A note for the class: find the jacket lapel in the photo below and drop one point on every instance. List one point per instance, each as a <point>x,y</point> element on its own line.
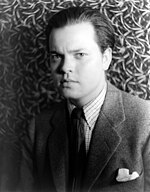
<point>105,138</point>
<point>58,149</point>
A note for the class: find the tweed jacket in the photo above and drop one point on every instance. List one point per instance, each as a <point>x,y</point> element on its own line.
<point>119,155</point>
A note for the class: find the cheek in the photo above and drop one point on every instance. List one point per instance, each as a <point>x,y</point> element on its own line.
<point>92,76</point>
<point>90,70</point>
<point>56,78</point>
<point>54,68</point>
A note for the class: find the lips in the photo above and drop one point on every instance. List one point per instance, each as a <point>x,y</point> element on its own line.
<point>67,82</point>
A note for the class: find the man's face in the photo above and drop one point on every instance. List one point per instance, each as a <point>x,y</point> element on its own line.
<point>77,64</point>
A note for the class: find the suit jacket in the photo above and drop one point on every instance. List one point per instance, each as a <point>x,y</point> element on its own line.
<point>121,139</point>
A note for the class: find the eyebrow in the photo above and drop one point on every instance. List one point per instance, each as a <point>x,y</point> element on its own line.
<point>70,51</point>
<point>77,50</point>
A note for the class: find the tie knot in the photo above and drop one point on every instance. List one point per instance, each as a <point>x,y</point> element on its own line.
<point>77,113</point>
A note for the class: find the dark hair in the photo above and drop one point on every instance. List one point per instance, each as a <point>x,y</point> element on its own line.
<point>74,15</point>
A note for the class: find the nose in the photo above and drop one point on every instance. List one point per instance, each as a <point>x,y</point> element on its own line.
<point>67,65</point>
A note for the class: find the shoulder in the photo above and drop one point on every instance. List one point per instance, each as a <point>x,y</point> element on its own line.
<point>40,124</point>
<point>133,105</point>
<point>136,111</point>
<point>47,113</point>
<point>136,106</point>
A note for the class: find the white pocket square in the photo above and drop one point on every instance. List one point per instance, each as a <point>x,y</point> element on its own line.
<point>123,175</point>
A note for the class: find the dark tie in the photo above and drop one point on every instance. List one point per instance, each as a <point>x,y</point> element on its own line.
<point>78,148</point>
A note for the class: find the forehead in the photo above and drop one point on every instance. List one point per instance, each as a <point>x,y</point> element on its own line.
<point>73,35</point>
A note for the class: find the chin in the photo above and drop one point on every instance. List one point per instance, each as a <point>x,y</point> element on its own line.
<point>69,95</point>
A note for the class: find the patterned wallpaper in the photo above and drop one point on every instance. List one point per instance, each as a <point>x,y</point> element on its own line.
<point>26,86</point>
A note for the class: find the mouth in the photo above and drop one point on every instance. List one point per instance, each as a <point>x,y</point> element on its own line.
<point>67,82</point>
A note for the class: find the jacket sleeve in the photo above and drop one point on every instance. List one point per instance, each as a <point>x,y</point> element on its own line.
<point>27,163</point>
<point>10,156</point>
<point>146,161</point>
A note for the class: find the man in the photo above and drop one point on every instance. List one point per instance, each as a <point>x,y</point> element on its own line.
<point>113,152</point>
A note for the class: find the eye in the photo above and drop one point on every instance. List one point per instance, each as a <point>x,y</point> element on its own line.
<point>80,55</point>
<point>55,57</point>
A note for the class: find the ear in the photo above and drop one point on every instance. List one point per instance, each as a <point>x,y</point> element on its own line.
<point>107,58</point>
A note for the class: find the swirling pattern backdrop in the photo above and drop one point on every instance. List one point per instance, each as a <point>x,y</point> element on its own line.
<point>26,85</point>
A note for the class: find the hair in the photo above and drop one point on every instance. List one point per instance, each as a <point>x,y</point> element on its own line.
<point>75,15</point>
